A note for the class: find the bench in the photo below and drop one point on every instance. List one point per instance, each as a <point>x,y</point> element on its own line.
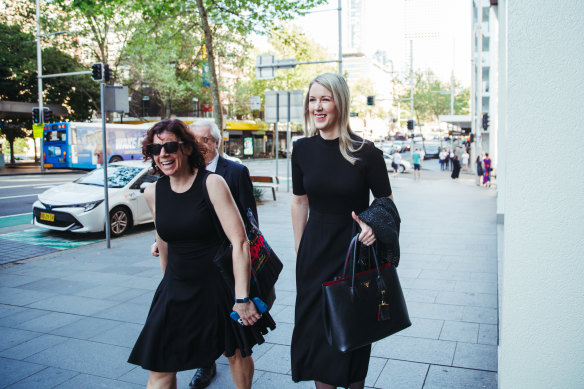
<point>266,182</point>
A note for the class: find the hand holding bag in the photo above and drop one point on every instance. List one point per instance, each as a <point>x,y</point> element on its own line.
<point>362,308</point>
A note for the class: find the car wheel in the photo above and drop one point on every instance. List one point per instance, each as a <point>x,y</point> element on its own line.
<point>119,221</point>
<point>402,168</point>
<point>116,158</point>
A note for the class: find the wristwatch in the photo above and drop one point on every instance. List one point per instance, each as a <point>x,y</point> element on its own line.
<point>243,300</point>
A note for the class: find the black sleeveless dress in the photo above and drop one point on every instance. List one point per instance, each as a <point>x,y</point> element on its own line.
<point>334,188</point>
<point>188,325</point>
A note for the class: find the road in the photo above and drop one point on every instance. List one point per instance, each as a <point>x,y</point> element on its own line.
<point>18,193</point>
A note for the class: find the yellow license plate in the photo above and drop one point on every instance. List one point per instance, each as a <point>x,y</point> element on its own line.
<point>47,216</point>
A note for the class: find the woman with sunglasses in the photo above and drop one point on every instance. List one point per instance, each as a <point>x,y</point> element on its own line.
<point>188,325</point>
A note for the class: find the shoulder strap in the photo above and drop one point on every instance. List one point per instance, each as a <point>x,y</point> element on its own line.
<point>214,216</point>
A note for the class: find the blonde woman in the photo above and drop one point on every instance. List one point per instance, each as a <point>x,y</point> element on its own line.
<point>333,171</point>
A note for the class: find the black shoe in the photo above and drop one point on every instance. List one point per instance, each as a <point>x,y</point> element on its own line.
<point>203,377</point>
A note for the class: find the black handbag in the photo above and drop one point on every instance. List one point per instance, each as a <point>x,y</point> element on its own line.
<point>362,308</point>
<point>265,264</point>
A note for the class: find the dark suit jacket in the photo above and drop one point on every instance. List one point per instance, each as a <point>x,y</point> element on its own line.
<point>237,177</point>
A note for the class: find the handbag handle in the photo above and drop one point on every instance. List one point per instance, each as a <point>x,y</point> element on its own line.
<point>353,245</point>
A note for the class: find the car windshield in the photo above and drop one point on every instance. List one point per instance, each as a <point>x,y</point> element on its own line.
<point>117,176</point>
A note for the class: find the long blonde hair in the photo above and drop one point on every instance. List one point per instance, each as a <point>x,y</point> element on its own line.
<point>337,85</point>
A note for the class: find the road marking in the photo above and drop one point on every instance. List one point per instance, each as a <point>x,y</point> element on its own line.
<point>15,220</point>
<point>41,237</point>
<point>35,186</point>
<point>15,197</point>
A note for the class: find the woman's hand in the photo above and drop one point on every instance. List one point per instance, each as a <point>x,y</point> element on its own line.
<point>247,312</point>
<point>367,237</point>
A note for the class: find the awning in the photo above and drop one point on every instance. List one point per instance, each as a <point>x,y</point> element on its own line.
<point>18,109</point>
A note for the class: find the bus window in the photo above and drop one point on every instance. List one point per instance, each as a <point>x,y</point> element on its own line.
<point>58,135</point>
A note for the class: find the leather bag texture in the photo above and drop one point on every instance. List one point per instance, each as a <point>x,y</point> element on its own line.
<point>361,308</point>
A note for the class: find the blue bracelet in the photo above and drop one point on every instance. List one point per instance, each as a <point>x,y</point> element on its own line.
<point>243,300</point>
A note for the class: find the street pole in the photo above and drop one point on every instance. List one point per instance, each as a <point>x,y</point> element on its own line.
<point>288,156</point>
<point>276,130</point>
<point>340,42</point>
<point>104,162</point>
<point>40,78</point>
<point>412,81</point>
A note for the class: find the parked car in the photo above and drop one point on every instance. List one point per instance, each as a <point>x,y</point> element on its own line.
<point>403,164</point>
<point>79,206</point>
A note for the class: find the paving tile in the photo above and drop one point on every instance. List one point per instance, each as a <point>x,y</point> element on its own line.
<point>421,295</point>
<point>476,356</point>
<point>376,366</point>
<point>92,381</point>
<point>270,380</point>
<point>22,315</point>
<point>73,304</point>
<point>480,315</point>
<point>286,315</point>
<point>48,322</point>
<point>12,337</point>
<point>47,378</point>
<point>460,331</point>
<point>282,335</point>
<point>142,283</point>
<point>445,275</point>
<point>14,296</point>
<point>12,371</point>
<point>86,357</point>
<point>435,311</point>
<point>31,347</point>
<point>125,312</point>
<point>13,280</point>
<point>488,334</point>
<point>285,297</point>
<point>415,350</point>
<point>57,285</point>
<point>9,310</point>
<point>402,375</point>
<point>85,327</point>
<point>441,377</point>
<point>468,298</point>
<point>424,328</point>
<point>276,360</point>
<point>476,287</point>
<point>433,284</point>
<point>144,299</point>
<point>124,334</point>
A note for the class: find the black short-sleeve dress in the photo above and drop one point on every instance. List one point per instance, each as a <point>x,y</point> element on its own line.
<point>188,325</point>
<point>334,188</point>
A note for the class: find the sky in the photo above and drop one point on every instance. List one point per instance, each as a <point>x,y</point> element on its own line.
<point>440,30</point>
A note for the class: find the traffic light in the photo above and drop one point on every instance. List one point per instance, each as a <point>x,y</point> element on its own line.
<point>410,124</point>
<point>370,100</point>
<point>47,115</point>
<point>107,73</point>
<point>485,121</point>
<point>36,117</point>
<point>97,71</point>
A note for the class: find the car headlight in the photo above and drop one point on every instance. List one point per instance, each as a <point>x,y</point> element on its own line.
<point>88,206</point>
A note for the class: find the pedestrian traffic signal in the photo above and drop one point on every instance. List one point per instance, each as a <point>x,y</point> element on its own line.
<point>410,124</point>
<point>36,117</point>
<point>485,121</point>
<point>47,115</point>
<point>370,100</point>
<point>97,71</point>
<point>107,73</point>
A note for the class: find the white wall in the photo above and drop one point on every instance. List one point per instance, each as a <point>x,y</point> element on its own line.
<point>542,318</point>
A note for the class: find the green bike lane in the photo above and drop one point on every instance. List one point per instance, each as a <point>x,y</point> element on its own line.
<point>21,240</point>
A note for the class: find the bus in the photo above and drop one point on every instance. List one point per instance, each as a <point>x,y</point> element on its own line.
<point>79,145</point>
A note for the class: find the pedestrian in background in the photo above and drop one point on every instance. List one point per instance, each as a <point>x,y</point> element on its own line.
<point>487,170</point>
<point>455,168</point>
<point>396,159</point>
<point>417,159</point>
<point>188,325</point>
<point>333,171</point>
<point>479,167</point>
<point>451,158</point>
<point>465,159</point>
<point>441,158</point>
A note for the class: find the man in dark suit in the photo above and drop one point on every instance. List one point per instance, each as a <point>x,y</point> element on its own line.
<point>237,177</point>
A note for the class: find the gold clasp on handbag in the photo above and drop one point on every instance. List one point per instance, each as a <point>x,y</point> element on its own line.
<point>365,284</point>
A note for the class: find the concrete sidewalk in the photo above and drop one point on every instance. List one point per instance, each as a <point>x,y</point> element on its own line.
<point>69,319</point>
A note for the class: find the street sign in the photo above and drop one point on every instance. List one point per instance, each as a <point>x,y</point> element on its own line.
<point>277,103</point>
<point>116,98</point>
<point>37,130</point>
<point>285,63</point>
<point>265,73</point>
<point>255,103</point>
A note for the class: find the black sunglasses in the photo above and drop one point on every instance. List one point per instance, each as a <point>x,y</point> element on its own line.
<point>169,147</point>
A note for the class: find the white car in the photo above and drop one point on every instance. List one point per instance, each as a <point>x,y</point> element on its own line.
<point>79,206</point>
<point>403,164</point>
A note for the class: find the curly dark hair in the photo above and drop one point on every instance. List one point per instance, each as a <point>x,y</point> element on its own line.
<point>179,128</point>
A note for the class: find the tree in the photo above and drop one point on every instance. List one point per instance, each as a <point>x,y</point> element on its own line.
<point>244,17</point>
